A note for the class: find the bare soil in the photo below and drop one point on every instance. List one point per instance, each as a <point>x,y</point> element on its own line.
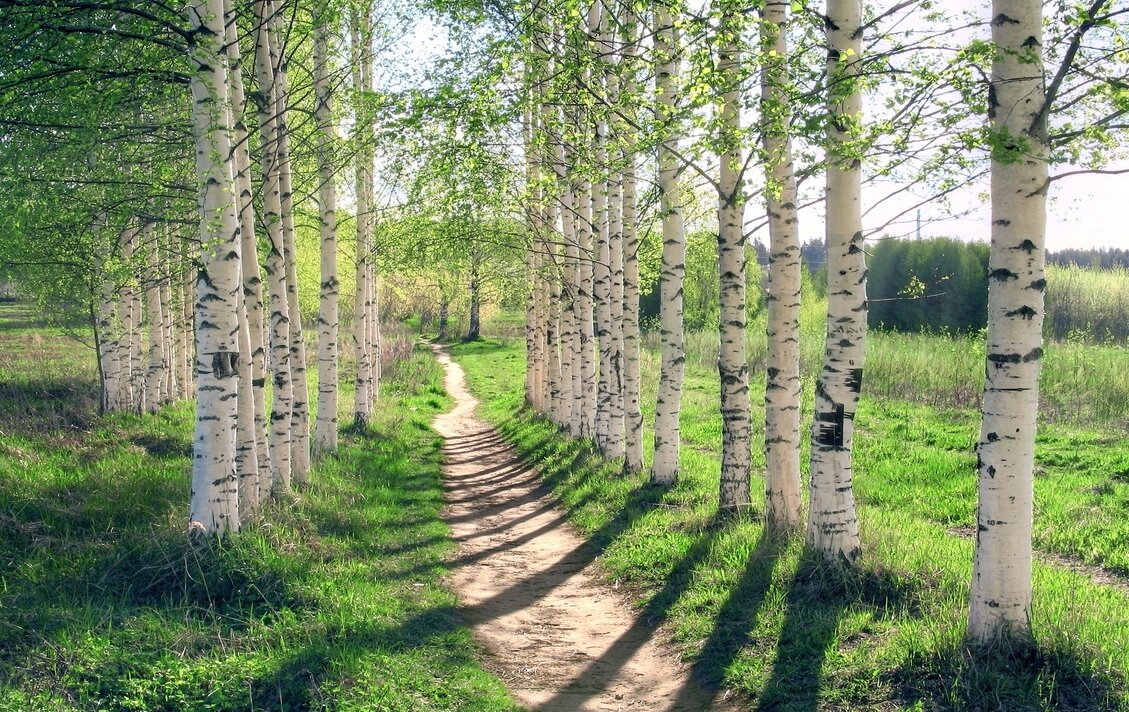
<point>528,584</point>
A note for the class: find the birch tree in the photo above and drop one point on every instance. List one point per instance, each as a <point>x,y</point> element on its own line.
<point>362,71</point>
<point>280,436</point>
<point>325,430</point>
<point>1001,573</point>
<point>632,377</point>
<point>783,506</point>
<point>214,502</point>
<point>668,406</point>
<point>253,452</point>
<point>833,524</point>
<point>732,364</point>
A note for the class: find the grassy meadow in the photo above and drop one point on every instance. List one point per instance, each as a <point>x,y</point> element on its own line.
<point>760,616</point>
<point>332,601</point>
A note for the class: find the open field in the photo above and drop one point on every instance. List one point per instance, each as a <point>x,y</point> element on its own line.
<point>795,635</point>
<point>336,604</point>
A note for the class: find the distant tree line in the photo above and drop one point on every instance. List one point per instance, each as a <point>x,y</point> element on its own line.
<point>1105,258</point>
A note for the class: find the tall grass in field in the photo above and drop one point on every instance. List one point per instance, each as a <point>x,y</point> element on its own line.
<point>1088,305</point>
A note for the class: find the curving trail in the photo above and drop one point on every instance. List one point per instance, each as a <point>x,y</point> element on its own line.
<point>529,587</point>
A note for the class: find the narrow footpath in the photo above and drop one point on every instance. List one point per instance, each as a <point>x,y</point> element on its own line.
<point>528,585</point>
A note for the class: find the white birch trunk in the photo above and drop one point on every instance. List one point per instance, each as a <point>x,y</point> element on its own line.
<point>632,378</point>
<point>732,364</point>
<point>325,429</point>
<point>616,432</point>
<point>215,505</point>
<point>664,470</point>
<point>131,326</point>
<point>833,524</point>
<point>567,293</point>
<point>530,252</point>
<point>187,335</point>
<point>1001,572</point>
<point>279,437</point>
<point>112,356</point>
<point>154,371</point>
<point>783,502</point>
<point>300,414</point>
<point>362,408</point>
<point>588,369</point>
<point>252,368</point>
<point>168,314</point>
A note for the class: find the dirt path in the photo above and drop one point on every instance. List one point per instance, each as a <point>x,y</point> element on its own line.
<point>528,585</point>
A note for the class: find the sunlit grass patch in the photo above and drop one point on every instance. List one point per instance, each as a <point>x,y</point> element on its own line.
<point>332,600</point>
<point>792,633</point>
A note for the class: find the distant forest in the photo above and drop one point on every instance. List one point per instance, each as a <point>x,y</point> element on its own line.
<point>1105,258</point>
<point>813,253</point>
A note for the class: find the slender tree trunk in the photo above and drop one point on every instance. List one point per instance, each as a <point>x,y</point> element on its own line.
<point>362,409</point>
<point>154,372</point>
<point>566,293</point>
<point>374,323</point>
<point>325,429</point>
<point>253,434</point>
<point>282,407</point>
<point>187,336</point>
<point>615,441</point>
<point>474,328</point>
<point>783,504</point>
<point>833,525</point>
<point>669,402</point>
<point>588,371</point>
<point>632,378</point>
<point>112,357</point>
<point>531,356</point>
<point>1001,572</point>
<point>300,413</point>
<point>215,504</point>
<point>168,386</point>
<point>732,364</point>
<point>131,325</point>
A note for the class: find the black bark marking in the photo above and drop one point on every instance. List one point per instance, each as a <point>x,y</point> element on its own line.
<point>1002,274</point>
<point>831,427</point>
<point>1027,246</point>
<point>1025,312</point>
<point>1034,355</point>
<point>1002,19</point>
<point>223,364</point>
<point>1039,285</point>
<point>991,471</point>
<point>1002,221</point>
<point>992,437</point>
<point>1003,358</point>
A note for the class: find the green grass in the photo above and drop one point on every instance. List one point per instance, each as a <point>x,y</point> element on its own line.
<point>793,634</point>
<point>332,601</point>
